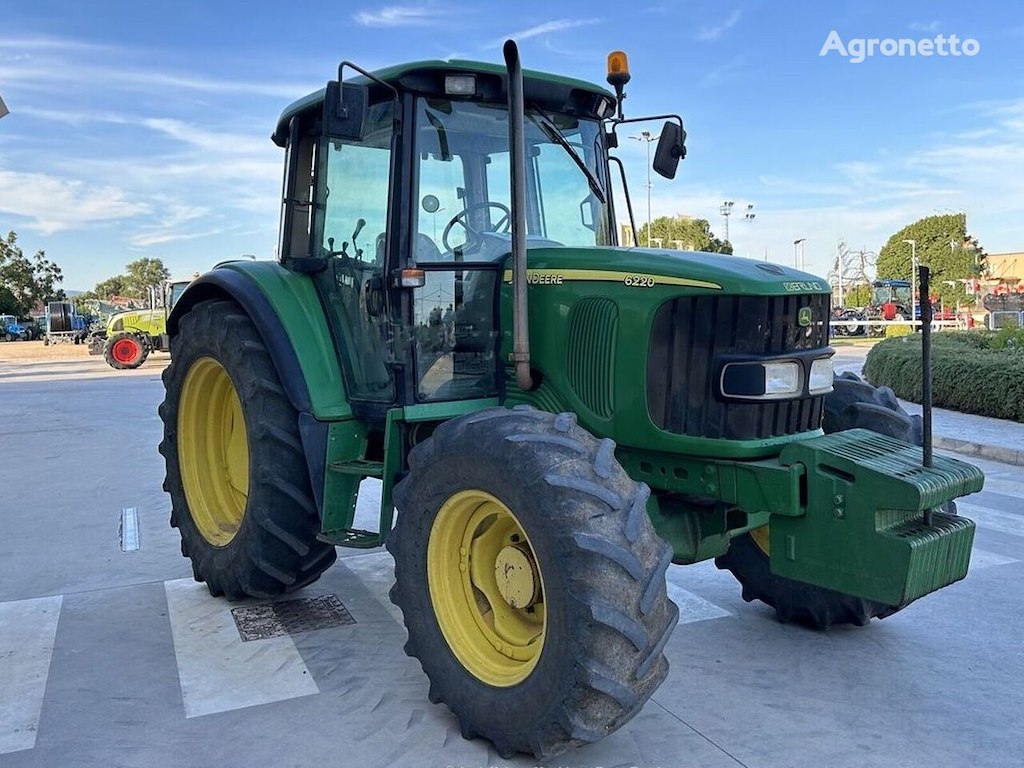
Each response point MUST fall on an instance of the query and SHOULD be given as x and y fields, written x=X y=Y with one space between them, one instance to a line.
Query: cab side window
x=354 y=179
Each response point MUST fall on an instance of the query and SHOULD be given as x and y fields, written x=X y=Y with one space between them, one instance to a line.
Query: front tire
x=124 y=350
x=240 y=492
x=853 y=403
x=531 y=580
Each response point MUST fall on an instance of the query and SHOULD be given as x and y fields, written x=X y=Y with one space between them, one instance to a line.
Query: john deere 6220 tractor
x=555 y=419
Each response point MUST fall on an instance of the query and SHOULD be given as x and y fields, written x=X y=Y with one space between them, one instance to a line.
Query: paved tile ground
x=112 y=658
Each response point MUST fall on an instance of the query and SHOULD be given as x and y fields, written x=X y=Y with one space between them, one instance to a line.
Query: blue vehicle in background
x=11 y=329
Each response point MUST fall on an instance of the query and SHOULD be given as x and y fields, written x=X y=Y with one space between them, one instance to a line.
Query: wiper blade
x=552 y=132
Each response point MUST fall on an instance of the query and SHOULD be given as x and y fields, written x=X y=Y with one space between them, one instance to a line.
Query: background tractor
x=12 y=329
x=556 y=419
x=128 y=337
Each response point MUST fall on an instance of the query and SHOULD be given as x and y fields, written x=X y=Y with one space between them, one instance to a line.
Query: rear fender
x=288 y=314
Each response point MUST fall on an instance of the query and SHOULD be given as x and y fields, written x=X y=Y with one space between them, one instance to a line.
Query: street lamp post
x=726 y=209
x=645 y=136
x=913 y=276
x=798 y=252
x=840 y=266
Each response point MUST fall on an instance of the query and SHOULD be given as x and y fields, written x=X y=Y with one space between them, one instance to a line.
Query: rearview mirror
x=671 y=149
x=344 y=110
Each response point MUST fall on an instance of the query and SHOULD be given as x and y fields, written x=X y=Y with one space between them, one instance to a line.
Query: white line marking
x=27 y=632
x=981 y=558
x=217 y=671
x=129 y=529
x=993 y=519
x=693 y=608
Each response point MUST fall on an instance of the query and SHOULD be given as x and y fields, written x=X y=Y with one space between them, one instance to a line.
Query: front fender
x=288 y=314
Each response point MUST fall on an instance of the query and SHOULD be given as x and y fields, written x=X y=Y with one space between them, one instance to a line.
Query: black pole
x=926 y=369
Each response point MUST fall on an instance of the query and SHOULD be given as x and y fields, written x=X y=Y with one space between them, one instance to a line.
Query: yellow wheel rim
x=213 y=451
x=486 y=588
x=761 y=538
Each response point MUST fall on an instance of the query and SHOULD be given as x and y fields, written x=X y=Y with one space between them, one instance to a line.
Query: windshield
x=897 y=294
x=463 y=195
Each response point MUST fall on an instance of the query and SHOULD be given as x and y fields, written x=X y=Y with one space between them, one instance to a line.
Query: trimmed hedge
x=978 y=372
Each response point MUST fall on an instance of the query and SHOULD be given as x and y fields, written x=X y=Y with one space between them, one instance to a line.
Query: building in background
x=1006 y=269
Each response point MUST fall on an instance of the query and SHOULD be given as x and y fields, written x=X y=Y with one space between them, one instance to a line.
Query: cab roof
x=554 y=91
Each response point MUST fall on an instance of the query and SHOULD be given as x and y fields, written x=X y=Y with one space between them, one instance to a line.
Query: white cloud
x=51 y=203
x=546 y=28
x=723 y=73
x=713 y=32
x=45 y=74
x=49 y=43
x=926 y=26
x=173 y=221
x=400 y=16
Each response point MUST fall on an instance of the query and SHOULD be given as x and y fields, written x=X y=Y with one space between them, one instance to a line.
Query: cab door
x=351 y=229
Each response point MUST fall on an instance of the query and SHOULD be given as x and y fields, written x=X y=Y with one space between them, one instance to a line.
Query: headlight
x=762 y=381
x=822 y=374
x=782 y=379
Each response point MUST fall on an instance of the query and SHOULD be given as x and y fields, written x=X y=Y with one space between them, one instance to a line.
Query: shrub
x=897 y=330
x=1011 y=339
x=972 y=372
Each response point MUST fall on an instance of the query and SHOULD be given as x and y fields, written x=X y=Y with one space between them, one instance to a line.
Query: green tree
x=690 y=233
x=25 y=280
x=112 y=286
x=143 y=274
x=941 y=242
x=857 y=295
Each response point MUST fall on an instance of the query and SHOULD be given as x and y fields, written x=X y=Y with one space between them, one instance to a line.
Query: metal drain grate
x=290 y=617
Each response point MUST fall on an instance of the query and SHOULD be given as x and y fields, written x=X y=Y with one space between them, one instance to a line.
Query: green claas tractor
x=127 y=338
x=554 y=418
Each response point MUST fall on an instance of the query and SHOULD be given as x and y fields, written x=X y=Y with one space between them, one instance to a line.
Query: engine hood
x=650 y=267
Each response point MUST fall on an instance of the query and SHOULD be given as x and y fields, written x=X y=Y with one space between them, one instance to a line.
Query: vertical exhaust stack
x=517 y=160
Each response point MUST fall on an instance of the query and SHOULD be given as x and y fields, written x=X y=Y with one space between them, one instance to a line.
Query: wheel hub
x=516 y=575
x=213 y=451
x=486 y=588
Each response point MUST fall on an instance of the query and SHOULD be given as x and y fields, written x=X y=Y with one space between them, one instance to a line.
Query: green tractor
x=555 y=419
x=127 y=338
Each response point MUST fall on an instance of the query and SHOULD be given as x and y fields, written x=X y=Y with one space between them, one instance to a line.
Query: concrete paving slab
x=219 y=671
x=27 y=631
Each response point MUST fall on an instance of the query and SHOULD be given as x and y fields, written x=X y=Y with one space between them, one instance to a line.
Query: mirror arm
x=368 y=75
x=615 y=123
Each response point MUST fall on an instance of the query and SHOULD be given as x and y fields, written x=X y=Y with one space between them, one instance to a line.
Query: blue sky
x=142 y=129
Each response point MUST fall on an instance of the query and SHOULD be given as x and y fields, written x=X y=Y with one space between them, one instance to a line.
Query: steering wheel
x=472 y=234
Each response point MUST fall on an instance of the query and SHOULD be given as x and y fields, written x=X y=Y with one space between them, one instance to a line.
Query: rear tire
x=598 y=566
x=260 y=541
x=853 y=403
x=124 y=350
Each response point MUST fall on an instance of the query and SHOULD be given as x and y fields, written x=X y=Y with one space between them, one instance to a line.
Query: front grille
x=688 y=337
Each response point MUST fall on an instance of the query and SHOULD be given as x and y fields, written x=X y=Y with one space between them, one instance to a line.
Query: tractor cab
x=892 y=292
x=398 y=198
